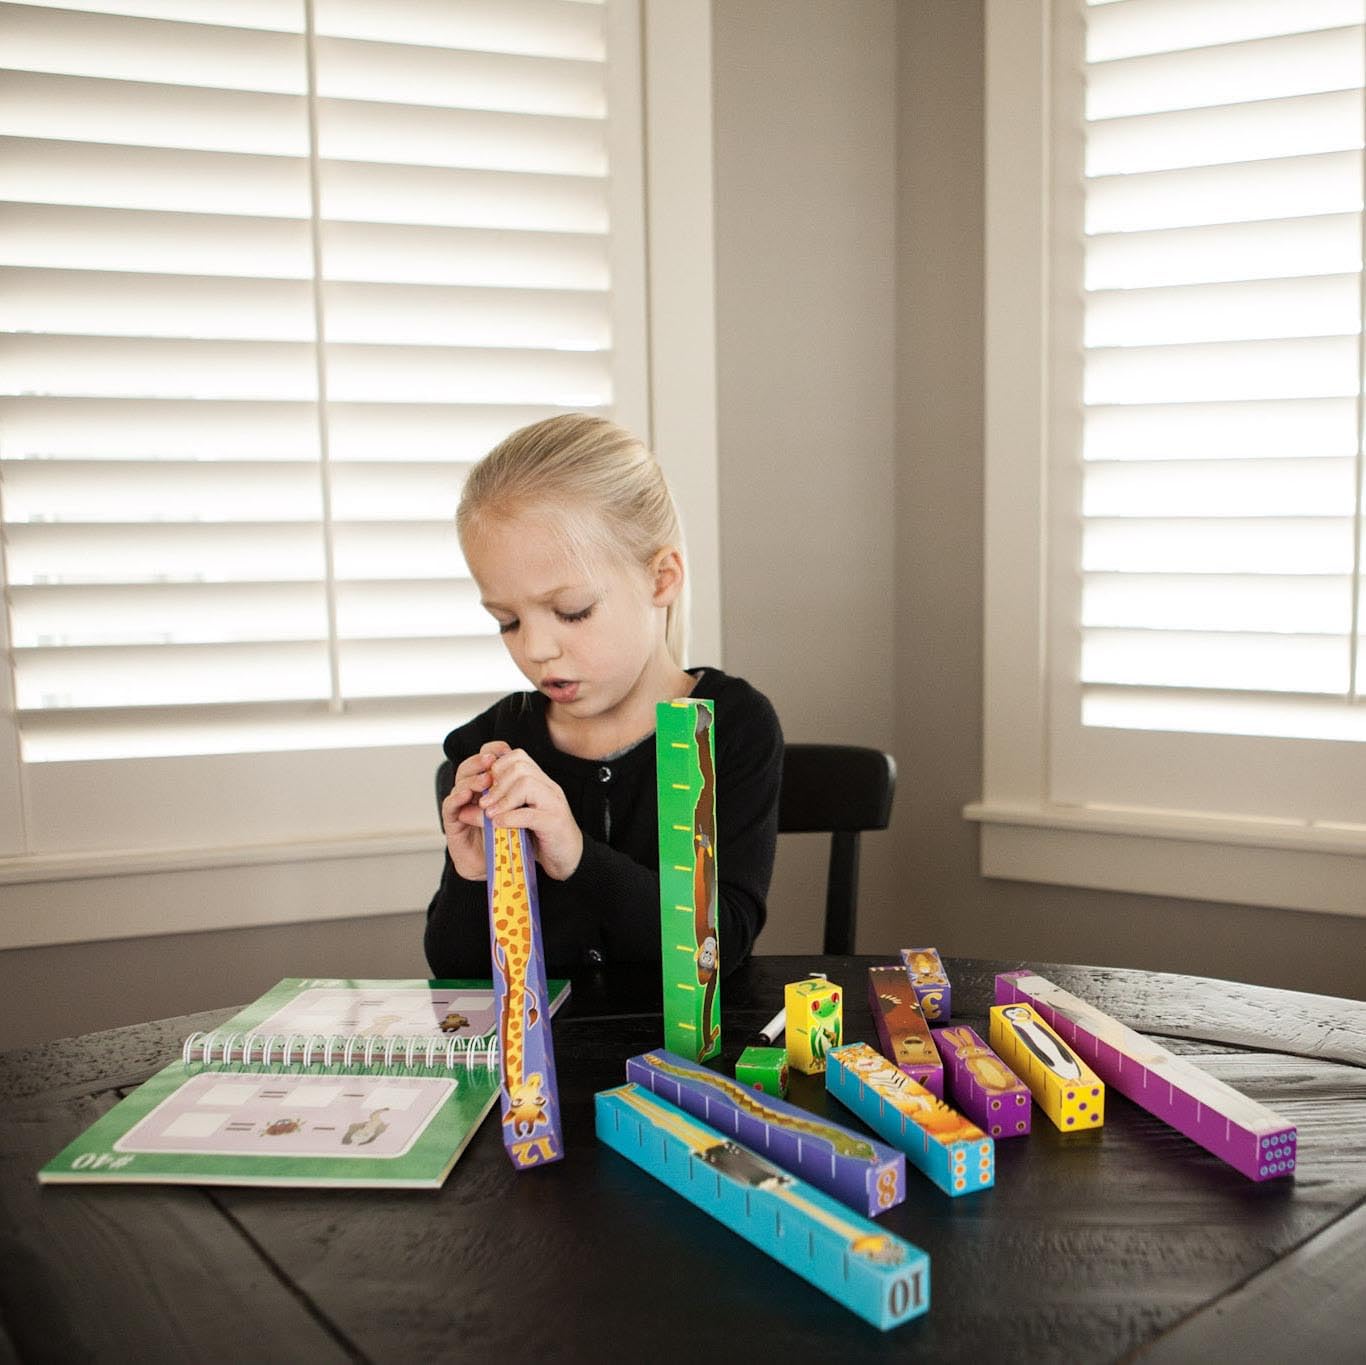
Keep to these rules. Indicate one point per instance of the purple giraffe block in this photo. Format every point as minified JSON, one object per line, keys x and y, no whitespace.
{"x":982,"y":1085}
{"x":903,"y":1036}
{"x":857,"y":1170}
{"x":1247,"y":1135}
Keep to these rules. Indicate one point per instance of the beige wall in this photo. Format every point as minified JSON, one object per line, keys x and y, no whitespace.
{"x":938,"y":499}
{"x":848,"y":167}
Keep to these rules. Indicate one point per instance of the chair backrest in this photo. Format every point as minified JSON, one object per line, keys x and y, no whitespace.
{"x":843,"y":789}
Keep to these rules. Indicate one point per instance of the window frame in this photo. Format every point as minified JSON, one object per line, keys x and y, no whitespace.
{"x":349,"y":861}
{"x":1026,"y":835}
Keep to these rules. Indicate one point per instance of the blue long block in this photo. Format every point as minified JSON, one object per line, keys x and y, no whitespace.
{"x":879,"y":1276}
{"x":950,"y":1149}
{"x":867,"y":1175}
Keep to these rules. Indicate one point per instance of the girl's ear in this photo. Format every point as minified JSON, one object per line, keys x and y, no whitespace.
{"x":666,"y":576}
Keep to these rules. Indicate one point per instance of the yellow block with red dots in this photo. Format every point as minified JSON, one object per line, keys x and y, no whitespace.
{"x":815,"y":1022}
{"x":1063,"y":1086}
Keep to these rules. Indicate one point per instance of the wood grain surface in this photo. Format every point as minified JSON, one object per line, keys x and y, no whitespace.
{"x":1091,"y":1247}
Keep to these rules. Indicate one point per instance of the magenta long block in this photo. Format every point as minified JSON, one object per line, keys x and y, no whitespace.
{"x":1248,"y":1136}
{"x":982,"y":1085}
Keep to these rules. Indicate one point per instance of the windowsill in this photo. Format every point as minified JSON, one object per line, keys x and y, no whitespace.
{"x":49,"y":899}
{"x":1282,"y":864}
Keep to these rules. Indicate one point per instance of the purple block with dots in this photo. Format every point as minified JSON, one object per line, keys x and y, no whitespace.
{"x":982,"y":1085}
{"x":1251,"y":1138}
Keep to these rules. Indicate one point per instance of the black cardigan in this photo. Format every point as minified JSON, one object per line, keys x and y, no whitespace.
{"x":608,"y":909}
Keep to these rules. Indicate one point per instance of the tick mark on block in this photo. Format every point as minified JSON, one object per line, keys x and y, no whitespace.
{"x":680,"y":786}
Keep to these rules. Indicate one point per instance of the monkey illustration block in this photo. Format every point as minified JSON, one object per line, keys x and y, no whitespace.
{"x":930,"y":982}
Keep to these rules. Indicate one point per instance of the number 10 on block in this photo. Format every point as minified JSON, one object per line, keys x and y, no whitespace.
{"x":685,"y":750}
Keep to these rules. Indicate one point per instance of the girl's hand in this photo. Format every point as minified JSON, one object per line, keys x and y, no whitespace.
{"x":523,"y":797}
{"x":461,"y":816}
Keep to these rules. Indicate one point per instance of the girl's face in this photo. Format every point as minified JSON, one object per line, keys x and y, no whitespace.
{"x":588,"y":636}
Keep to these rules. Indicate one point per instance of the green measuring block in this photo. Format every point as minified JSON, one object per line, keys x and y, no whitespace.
{"x":685,"y":761}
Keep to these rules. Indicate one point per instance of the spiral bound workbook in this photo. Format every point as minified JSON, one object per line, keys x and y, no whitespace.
{"x":320,"y":1082}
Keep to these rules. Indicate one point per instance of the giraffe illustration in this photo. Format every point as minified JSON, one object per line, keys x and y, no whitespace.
{"x":510,"y":905}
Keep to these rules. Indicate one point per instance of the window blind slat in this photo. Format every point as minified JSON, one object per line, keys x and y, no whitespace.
{"x":1306,"y":125}
{"x":1299,"y":247}
{"x":1211,"y":488}
{"x":166,"y":178}
{"x":121,"y":47}
{"x":1302,"y":604}
{"x":1233,"y":430}
{"x":1308,"y":545}
{"x":188,"y":118}
{"x":1292,"y":187}
{"x":1322,"y":367}
{"x":71,"y":237}
{"x":1321,"y":306}
{"x":1268,"y":663}
{"x":1136,"y":27}
{"x":1267,"y":69}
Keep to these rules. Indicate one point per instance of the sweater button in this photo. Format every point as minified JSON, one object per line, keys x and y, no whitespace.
{"x":604,"y":774}
{"x":593,"y":956}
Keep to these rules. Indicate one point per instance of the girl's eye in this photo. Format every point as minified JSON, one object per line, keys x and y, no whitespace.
{"x":576,"y":615}
{"x":505,"y":626}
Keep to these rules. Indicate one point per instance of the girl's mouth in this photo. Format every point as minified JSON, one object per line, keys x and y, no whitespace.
{"x":560,"y":689}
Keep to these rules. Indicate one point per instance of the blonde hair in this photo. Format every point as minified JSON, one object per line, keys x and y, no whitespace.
{"x":601,"y":486}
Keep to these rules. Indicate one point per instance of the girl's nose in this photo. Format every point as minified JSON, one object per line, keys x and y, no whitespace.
{"x":541,"y":643}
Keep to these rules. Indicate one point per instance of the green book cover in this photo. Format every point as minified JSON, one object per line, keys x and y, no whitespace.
{"x":322,"y":1081}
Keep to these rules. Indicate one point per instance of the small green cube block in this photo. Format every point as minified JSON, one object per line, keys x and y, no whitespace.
{"x":764,"y":1068}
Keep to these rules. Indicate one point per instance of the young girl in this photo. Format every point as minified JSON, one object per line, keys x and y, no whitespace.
{"x":571,"y":534}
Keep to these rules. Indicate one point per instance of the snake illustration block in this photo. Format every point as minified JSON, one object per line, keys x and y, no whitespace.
{"x":815,"y":1022}
{"x":763,"y":1068}
{"x":530,"y":1098}
{"x":875,"y":1274}
{"x":930,"y":982}
{"x":943,"y":1145}
{"x":982,"y":1085}
{"x":685,"y":761}
{"x":867,"y":1175}
{"x":903,"y":1036}
{"x":1248,"y":1136}
{"x":1063,"y":1086}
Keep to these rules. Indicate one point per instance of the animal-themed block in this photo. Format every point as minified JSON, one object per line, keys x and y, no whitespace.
{"x":685,"y":761}
{"x":982,"y":1085}
{"x":529,"y":1095}
{"x":943,"y":1145}
{"x":1248,"y":1136}
{"x":902,"y":1033}
{"x":1064,"y":1087}
{"x":930,"y":982}
{"x":763,"y":1068}
{"x":815,"y":1022}
{"x":875,"y":1274}
{"x":867,"y":1175}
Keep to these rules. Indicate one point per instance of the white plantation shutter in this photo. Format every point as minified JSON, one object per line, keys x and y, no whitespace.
{"x":271,"y":276}
{"x":1208,"y":406}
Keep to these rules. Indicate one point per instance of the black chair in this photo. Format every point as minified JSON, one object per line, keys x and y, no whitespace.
{"x":842,"y":789}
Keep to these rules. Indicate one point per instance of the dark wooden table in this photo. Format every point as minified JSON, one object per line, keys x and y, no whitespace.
{"x":1129,"y":1242}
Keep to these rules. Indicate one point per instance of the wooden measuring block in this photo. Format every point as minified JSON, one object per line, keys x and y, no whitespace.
{"x":930,"y":982}
{"x":866,"y":1175}
{"x":1065,"y":1088}
{"x":875,"y":1274}
{"x":982,"y":1085}
{"x":529,"y":1096}
{"x":902,"y":1033}
{"x":950,"y":1149}
{"x":1248,"y":1136}
{"x":685,"y":761}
